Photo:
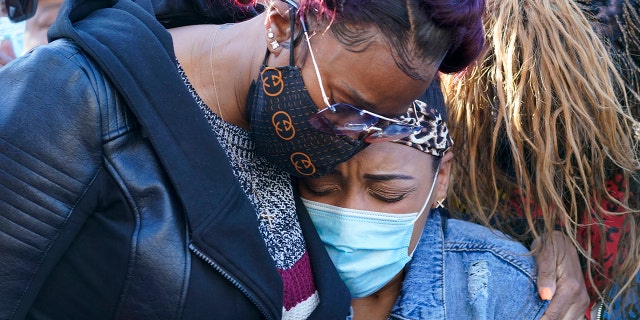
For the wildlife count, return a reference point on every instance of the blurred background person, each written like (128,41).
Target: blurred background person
(546,135)
(35,32)
(16,38)
(11,38)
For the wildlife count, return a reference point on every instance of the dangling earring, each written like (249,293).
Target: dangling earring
(274,44)
(439,203)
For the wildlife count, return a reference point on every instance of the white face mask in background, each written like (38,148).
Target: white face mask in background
(13,32)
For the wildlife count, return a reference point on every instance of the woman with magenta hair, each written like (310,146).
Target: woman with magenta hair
(146,171)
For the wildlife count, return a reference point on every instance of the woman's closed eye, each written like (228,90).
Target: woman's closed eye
(389,195)
(319,188)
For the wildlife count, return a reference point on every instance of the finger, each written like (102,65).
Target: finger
(6,52)
(546,263)
(6,47)
(557,308)
(570,299)
(4,59)
(571,292)
(570,284)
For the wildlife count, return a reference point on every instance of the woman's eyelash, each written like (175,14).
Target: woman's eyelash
(388,197)
(322,191)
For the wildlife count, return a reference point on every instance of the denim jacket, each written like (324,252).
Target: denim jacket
(462,270)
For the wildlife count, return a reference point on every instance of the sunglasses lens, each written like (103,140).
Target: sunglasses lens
(391,132)
(342,119)
(20,10)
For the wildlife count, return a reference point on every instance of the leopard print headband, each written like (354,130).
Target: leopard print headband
(434,137)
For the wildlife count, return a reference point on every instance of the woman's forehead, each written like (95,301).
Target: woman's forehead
(371,78)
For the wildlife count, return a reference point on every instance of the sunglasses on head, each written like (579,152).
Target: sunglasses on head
(20,10)
(346,120)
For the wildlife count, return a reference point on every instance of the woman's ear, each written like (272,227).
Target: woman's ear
(440,192)
(278,27)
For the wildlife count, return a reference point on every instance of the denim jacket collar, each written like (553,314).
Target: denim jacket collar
(425,270)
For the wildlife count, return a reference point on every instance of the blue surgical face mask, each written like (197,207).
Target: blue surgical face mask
(368,248)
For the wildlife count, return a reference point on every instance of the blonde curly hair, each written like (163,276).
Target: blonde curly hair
(546,114)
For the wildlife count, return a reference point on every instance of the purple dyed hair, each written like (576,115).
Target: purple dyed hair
(450,31)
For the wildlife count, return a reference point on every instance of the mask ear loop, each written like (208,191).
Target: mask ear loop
(303,24)
(424,206)
(292,19)
(433,186)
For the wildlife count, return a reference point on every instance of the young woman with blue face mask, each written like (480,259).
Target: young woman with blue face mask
(380,217)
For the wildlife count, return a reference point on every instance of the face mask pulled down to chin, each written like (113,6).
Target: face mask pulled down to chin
(279,108)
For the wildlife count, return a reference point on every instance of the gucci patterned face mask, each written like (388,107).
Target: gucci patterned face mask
(279,109)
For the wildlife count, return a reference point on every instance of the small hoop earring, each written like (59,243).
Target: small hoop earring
(439,203)
(274,44)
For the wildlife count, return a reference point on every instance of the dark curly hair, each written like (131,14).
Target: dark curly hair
(447,32)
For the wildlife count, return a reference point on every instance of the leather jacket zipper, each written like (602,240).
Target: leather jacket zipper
(600,311)
(228,276)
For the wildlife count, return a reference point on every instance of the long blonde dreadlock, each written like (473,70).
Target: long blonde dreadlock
(545,115)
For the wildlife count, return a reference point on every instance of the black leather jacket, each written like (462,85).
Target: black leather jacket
(116,201)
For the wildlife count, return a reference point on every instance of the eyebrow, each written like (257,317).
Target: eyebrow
(387,177)
(360,100)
